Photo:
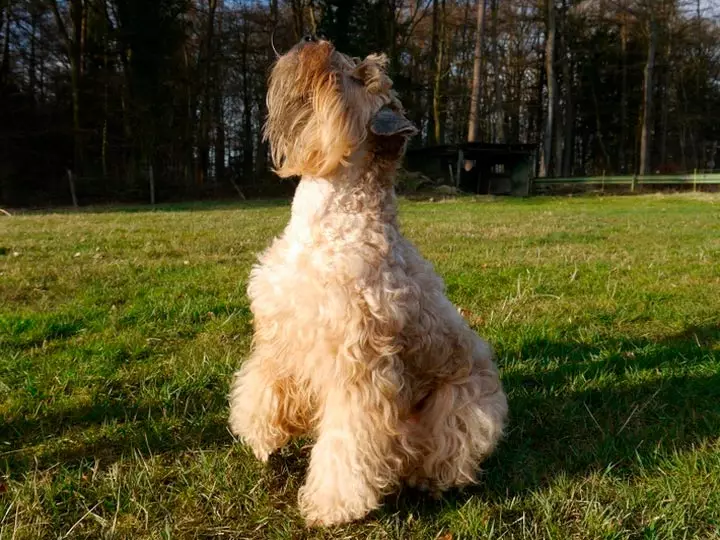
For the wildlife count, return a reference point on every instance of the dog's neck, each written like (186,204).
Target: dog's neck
(366,192)
(363,190)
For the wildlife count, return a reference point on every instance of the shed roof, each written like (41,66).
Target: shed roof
(472,149)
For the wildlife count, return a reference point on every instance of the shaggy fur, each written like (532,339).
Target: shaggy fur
(355,341)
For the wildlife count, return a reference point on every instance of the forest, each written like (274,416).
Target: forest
(163,100)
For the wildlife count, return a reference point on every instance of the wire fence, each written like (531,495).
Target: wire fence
(694,180)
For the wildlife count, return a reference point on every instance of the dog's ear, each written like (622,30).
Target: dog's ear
(388,122)
(371,72)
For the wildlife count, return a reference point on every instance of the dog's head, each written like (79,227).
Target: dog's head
(324,106)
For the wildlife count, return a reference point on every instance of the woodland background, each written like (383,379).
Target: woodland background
(165,98)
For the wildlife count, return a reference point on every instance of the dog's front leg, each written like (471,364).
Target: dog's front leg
(265,406)
(354,460)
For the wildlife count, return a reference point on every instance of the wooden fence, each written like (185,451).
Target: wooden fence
(633,181)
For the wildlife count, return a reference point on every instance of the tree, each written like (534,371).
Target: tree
(497,80)
(74,41)
(649,89)
(476,88)
(439,75)
(110,88)
(205,63)
(545,163)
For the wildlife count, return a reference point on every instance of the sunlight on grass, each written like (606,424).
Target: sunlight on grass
(120,329)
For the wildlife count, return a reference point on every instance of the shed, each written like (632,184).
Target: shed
(480,168)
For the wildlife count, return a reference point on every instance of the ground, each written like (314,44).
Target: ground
(120,328)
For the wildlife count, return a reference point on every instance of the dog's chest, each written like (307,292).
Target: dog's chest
(330,263)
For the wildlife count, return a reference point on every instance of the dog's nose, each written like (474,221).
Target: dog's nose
(309,38)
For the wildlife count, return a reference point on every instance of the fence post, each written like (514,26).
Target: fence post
(633,185)
(695,180)
(151,178)
(461,159)
(71,181)
(602,190)
(529,176)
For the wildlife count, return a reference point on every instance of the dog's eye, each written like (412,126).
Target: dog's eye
(357,80)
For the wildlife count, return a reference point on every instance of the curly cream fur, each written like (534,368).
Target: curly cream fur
(355,341)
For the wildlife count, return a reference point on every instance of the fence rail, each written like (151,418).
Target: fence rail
(690,179)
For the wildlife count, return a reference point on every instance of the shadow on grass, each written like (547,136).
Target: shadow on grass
(671,402)
(120,419)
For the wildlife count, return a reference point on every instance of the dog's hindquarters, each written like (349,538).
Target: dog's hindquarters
(459,424)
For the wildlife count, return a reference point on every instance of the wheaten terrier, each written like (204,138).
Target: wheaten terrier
(355,341)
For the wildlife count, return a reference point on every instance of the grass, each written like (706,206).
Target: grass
(119,331)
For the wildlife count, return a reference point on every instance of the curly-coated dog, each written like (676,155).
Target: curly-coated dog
(355,341)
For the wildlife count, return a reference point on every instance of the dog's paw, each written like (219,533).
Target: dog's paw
(327,513)
(262,442)
(260,451)
(328,508)
(262,454)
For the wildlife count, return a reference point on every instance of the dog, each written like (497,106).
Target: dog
(354,339)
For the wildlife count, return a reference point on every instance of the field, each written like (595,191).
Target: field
(120,328)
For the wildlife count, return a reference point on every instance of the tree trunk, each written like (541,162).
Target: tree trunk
(545,164)
(104,149)
(648,87)
(584,152)
(127,108)
(5,17)
(298,7)
(74,47)
(274,13)
(32,63)
(560,117)
(476,90)
(683,147)
(498,101)
(665,107)
(537,118)
(517,86)
(438,123)
(419,109)
(151,182)
(205,110)
(391,37)
(565,164)
(262,146)
(219,114)
(598,125)
(558,135)
(78,17)
(434,53)
(73,193)
(83,34)
(189,105)
(569,143)
(311,16)
(622,165)
(247,108)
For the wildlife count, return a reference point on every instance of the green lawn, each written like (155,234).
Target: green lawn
(119,331)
